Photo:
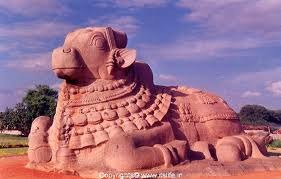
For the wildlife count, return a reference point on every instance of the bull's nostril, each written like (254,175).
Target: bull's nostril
(66,50)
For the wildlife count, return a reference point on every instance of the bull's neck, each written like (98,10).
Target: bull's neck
(101,91)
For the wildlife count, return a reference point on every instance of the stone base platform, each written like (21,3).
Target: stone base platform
(207,169)
(14,167)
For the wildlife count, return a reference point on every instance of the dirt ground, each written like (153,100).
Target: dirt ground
(13,167)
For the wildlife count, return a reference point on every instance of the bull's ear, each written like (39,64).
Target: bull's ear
(126,57)
(121,58)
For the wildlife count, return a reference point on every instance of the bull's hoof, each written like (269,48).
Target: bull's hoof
(228,153)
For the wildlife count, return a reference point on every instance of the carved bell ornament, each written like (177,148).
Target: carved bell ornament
(87,139)
(100,137)
(74,142)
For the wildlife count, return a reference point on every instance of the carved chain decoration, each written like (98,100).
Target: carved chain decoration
(90,122)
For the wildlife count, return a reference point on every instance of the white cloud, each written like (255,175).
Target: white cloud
(250,94)
(226,28)
(17,39)
(167,77)
(34,30)
(30,62)
(190,49)
(56,86)
(31,7)
(128,24)
(259,77)
(256,17)
(5,92)
(259,81)
(9,97)
(6,48)
(275,88)
(132,3)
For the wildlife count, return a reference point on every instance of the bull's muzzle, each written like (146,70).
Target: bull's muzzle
(67,63)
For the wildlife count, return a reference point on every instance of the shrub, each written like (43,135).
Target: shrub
(275,143)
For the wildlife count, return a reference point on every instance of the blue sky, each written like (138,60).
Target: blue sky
(228,47)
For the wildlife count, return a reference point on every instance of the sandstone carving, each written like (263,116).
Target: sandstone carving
(236,148)
(39,150)
(111,116)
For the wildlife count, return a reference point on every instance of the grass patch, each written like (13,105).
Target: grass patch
(11,145)
(13,151)
(275,144)
(12,141)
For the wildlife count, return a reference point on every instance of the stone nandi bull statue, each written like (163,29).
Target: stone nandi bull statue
(110,114)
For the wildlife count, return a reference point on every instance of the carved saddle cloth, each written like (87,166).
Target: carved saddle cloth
(198,106)
(95,113)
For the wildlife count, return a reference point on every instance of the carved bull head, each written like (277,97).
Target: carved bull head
(93,53)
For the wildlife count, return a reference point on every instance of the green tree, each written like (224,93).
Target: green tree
(7,120)
(40,101)
(277,116)
(256,114)
(20,120)
(2,126)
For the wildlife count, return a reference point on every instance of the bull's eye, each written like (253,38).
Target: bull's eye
(99,42)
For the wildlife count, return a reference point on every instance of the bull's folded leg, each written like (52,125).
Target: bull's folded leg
(229,152)
(121,153)
(237,148)
(178,150)
(201,150)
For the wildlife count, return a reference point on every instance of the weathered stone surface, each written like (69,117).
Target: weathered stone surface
(112,117)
